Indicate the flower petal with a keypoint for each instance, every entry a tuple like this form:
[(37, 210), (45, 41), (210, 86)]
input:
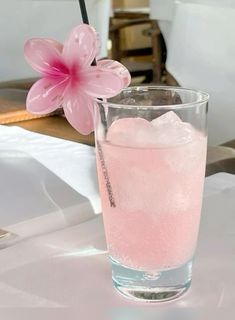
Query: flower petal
[(42, 54), (79, 112), (46, 95), (119, 68), (81, 46), (57, 45), (101, 83)]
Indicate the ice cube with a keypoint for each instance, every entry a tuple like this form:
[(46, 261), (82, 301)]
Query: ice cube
[(171, 130), (164, 131), (133, 132), (166, 118)]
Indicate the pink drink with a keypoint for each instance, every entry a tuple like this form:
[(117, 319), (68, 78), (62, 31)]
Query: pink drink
[(157, 181)]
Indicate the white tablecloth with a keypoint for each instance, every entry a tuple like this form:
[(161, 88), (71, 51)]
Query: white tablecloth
[(69, 268), (44, 183), (200, 41), (72, 162)]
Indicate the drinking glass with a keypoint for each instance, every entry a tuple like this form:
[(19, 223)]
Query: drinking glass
[(151, 144)]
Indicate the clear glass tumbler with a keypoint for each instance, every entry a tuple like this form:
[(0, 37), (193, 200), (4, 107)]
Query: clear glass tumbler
[(151, 144)]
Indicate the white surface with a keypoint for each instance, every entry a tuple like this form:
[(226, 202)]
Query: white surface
[(164, 9), (200, 40), (24, 19), (33, 200), (69, 268), (74, 163)]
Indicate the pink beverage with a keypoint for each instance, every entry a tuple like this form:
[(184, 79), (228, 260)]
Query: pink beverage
[(151, 182)]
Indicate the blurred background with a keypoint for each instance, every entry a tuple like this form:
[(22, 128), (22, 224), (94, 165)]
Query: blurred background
[(186, 43)]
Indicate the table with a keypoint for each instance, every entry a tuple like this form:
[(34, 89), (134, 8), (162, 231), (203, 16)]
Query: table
[(220, 159), (68, 269), (55, 126)]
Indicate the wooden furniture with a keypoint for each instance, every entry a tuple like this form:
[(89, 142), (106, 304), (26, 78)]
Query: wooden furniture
[(220, 158), (152, 66), (55, 125), (23, 84), (58, 126)]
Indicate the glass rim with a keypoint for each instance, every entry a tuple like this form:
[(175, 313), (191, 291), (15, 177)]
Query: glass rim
[(202, 97)]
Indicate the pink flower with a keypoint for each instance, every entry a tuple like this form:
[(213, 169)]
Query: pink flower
[(69, 79)]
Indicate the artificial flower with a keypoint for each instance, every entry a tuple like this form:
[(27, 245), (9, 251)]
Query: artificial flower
[(69, 79)]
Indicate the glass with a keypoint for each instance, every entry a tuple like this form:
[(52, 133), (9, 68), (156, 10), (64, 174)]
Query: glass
[(151, 144)]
